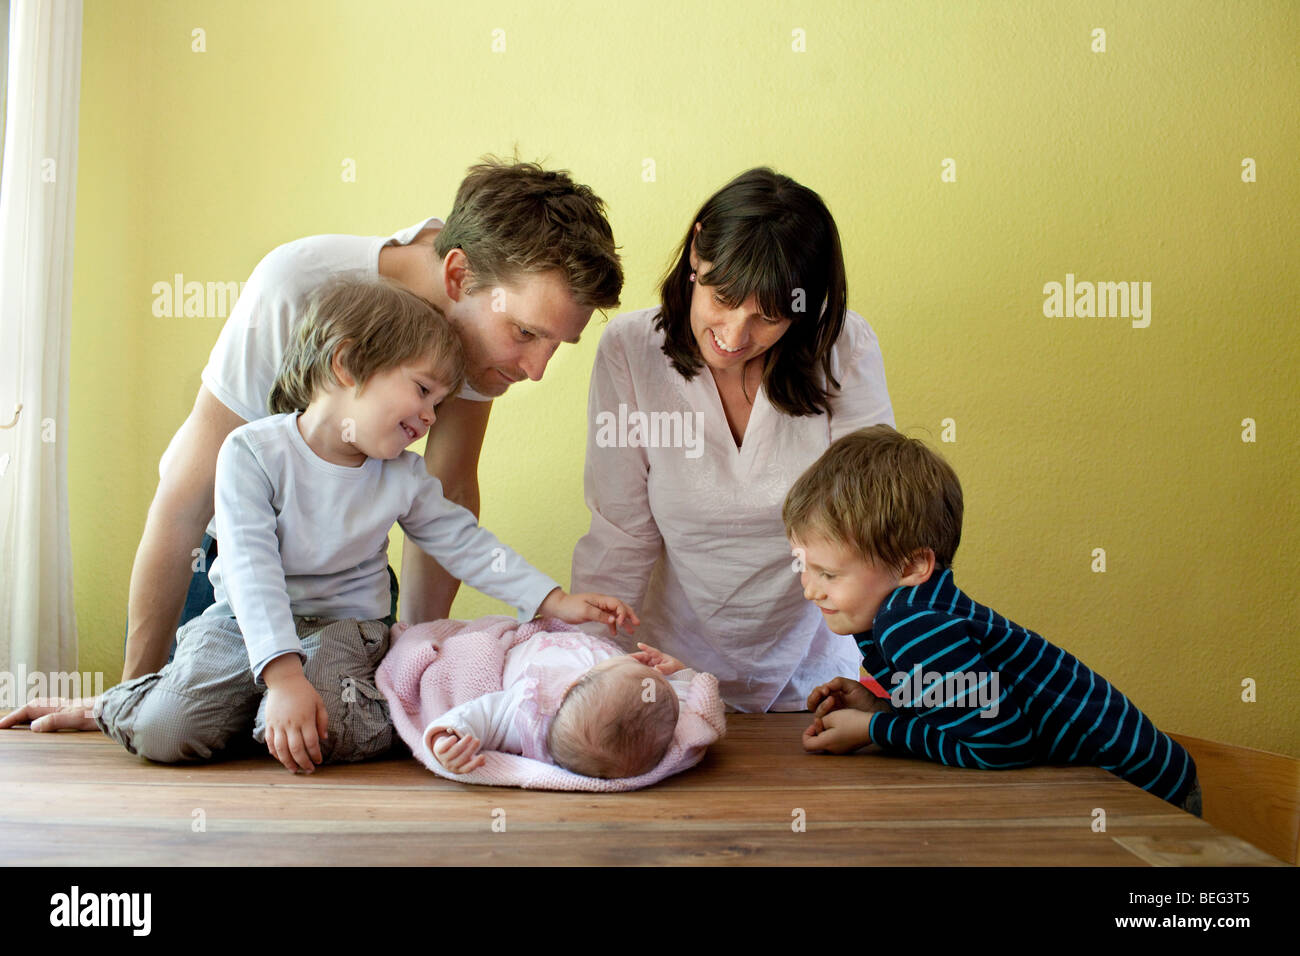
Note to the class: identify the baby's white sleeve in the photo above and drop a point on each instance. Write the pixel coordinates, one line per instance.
(487, 717)
(680, 681)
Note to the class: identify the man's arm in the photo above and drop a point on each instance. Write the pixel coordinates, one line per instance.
(181, 509)
(450, 455)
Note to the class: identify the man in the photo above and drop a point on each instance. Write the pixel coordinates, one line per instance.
(523, 260)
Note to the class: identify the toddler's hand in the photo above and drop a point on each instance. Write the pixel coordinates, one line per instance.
(653, 657)
(839, 732)
(459, 755)
(578, 608)
(296, 722)
(840, 692)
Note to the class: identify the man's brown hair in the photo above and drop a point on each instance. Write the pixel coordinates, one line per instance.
(882, 494)
(377, 324)
(516, 219)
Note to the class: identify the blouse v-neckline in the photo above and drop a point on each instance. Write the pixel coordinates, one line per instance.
(720, 413)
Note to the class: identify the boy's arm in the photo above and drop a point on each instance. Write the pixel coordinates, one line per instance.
(451, 455)
(948, 724)
(252, 574)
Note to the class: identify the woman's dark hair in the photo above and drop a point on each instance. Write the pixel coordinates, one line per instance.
(764, 234)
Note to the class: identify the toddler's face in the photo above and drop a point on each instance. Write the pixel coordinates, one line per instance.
(395, 408)
(847, 589)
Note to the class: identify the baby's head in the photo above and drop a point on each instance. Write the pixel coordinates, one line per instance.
(382, 346)
(617, 720)
(877, 510)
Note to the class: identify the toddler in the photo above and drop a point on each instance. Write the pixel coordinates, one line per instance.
(305, 500)
(876, 521)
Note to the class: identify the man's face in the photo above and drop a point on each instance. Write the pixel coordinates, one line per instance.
(511, 330)
(847, 589)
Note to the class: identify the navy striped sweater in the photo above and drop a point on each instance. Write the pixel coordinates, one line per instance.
(973, 689)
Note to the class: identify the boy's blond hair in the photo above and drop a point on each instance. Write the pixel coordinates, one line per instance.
(882, 494)
(374, 324)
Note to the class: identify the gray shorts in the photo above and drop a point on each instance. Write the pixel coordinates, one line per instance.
(205, 701)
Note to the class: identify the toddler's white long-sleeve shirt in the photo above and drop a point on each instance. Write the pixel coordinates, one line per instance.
(299, 535)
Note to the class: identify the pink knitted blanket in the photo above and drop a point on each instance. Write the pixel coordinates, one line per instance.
(431, 668)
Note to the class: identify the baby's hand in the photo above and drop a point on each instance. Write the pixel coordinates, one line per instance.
(653, 657)
(579, 608)
(459, 755)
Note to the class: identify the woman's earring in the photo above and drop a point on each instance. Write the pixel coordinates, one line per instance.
(692, 276)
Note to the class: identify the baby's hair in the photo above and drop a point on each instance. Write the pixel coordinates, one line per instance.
(605, 728)
(882, 494)
(373, 324)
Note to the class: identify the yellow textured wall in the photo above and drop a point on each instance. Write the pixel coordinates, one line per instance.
(1071, 433)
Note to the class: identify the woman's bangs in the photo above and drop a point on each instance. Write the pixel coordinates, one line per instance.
(757, 268)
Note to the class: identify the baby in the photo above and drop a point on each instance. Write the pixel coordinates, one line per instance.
(573, 700)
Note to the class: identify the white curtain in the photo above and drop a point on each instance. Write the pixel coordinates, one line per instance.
(38, 629)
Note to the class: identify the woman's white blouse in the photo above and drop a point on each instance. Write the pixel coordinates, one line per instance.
(690, 532)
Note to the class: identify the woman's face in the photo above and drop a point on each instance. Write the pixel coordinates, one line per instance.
(729, 337)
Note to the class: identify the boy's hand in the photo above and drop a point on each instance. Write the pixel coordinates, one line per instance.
(841, 692)
(653, 657)
(578, 608)
(459, 755)
(839, 732)
(296, 722)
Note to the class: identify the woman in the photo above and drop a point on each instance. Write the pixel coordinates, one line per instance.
(753, 345)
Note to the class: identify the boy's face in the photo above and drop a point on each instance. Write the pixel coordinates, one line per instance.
(848, 589)
(510, 330)
(395, 408)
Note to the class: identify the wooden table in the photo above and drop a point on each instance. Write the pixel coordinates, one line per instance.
(79, 799)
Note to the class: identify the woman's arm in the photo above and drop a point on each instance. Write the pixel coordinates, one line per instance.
(863, 398)
(618, 553)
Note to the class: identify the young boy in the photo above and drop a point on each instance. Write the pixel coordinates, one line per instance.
(877, 520)
(305, 501)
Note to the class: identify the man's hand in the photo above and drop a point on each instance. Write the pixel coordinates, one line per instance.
(841, 692)
(653, 657)
(296, 719)
(839, 732)
(54, 713)
(578, 608)
(459, 755)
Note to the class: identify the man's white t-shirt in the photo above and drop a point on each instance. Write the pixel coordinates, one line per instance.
(243, 364)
